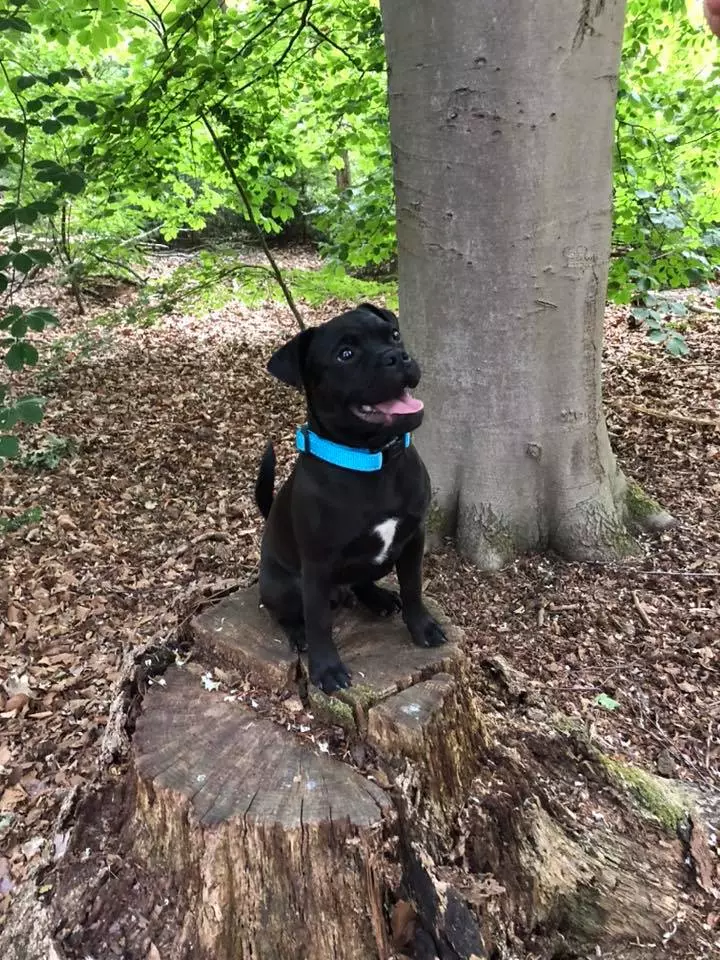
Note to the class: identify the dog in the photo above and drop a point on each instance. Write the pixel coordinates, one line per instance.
(355, 504)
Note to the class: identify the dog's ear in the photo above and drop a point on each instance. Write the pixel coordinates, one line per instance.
(379, 312)
(287, 363)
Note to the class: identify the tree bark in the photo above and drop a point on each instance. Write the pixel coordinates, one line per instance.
(501, 121)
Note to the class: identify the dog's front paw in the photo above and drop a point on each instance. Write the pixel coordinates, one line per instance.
(329, 674)
(342, 597)
(378, 600)
(426, 631)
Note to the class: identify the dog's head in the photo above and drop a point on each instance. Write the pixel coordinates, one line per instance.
(356, 376)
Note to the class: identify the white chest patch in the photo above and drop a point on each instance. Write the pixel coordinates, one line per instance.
(386, 532)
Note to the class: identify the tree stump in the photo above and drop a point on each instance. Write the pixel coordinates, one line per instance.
(477, 827)
(283, 850)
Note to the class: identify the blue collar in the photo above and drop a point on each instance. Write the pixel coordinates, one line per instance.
(351, 458)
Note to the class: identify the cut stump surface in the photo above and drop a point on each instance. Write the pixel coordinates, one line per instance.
(227, 762)
(239, 634)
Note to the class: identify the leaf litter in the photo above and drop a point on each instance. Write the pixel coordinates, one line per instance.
(152, 513)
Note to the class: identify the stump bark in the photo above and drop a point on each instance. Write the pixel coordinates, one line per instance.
(474, 825)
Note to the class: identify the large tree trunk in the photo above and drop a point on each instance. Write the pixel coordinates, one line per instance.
(501, 118)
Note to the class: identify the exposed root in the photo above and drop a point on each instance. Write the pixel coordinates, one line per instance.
(593, 530)
(644, 513)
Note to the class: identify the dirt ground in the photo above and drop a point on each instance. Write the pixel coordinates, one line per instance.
(157, 432)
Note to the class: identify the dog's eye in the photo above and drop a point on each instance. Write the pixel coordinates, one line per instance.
(345, 354)
(396, 334)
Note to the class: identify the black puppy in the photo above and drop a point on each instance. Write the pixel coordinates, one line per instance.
(355, 504)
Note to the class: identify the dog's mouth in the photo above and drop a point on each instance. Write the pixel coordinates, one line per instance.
(387, 410)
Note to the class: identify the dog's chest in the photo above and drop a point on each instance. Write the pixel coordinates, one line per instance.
(385, 532)
(380, 542)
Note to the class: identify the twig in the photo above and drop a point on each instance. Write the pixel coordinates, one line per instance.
(120, 265)
(640, 609)
(664, 414)
(698, 308)
(713, 574)
(626, 570)
(217, 535)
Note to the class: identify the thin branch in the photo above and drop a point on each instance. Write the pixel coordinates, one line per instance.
(21, 170)
(120, 265)
(227, 162)
(323, 36)
(153, 24)
(300, 27)
(216, 278)
(697, 308)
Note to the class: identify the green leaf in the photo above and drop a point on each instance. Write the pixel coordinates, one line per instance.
(21, 354)
(26, 81)
(8, 417)
(26, 214)
(50, 125)
(23, 262)
(44, 206)
(9, 446)
(73, 183)
(4, 283)
(15, 23)
(15, 357)
(39, 319)
(676, 345)
(606, 702)
(13, 128)
(19, 328)
(57, 76)
(29, 410)
(49, 175)
(7, 215)
(41, 256)
(86, 108)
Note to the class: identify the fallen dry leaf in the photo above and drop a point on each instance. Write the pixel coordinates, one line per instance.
(16, 703)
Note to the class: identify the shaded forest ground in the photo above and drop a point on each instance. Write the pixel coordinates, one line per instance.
(133, 503)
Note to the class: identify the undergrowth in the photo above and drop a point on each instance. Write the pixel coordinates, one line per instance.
(216, 278)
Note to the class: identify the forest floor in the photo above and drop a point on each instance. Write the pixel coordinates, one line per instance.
(133, 502)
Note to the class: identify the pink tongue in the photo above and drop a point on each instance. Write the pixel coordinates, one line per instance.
(404, 404)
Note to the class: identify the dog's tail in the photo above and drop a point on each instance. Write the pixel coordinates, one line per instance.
(265, 483)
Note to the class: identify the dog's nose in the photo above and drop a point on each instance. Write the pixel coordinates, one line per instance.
(395, 357)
